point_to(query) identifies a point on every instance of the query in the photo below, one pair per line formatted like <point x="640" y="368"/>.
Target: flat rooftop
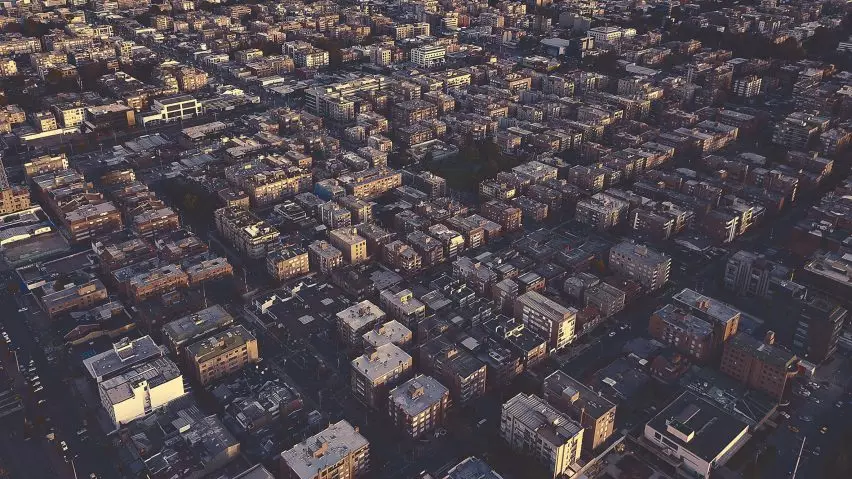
<point x="418" y="394"/>
<point x="383" y="360"/>
<point x="712" y="430"/>
<point x="321" y="451"/>
<point x="197" y="324"/>
<point x="123" y="355"/>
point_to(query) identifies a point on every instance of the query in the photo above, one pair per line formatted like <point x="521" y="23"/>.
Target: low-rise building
<point x="391" y="332"/>
<point x="462" y="372"/>
<point x="222" y="354"/>
<point x="324" y="257"/>
<point x="245" y="231"/>
<point x="287" y="263"/>
<point x="195" y="326"/>
<point x="353" y="246"/>
<point x="74" y="297"/>
<point x="403" y="306"/>
<point x="697" y="434"/>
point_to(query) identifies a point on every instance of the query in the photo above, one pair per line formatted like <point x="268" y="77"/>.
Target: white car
<point x="612" y="334"/>
<point x="24" y="309"/>
<point x="64" y="446"/>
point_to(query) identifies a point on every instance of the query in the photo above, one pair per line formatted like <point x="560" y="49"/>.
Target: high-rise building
<point x="547" y="318"/>
<point x="377" y="371"/>
<point x="818" y="328"/>
<point x="759" y="365"/>
<point x="338" y="451"/>
<point x="593" y="411"/>
<point x="419" y="405"/>
<point x="641" y="264"/>
<point x="533" y="427"/>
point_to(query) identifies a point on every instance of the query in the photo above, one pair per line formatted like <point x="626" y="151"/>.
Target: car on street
<point x="823" y="429"/>
<point x="612" y="334"/>
<point x="24" y="309"/>
<point x="793" y="428"/>
<point x="63" y="446"/>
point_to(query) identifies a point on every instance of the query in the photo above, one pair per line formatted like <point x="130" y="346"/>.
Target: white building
<point x="696" y="432"/>
<point x="338" y="451"/>
<point x="172" y="109"/>
<point x="141" y="390"/>
<point x="428" y="56"/>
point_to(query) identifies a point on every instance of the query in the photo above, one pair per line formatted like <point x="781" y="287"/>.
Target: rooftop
<point x="323" y="450"/>
<point x="539" y="416"/>
<point x="361" y="314"/>
<point x="197" y="324"/>
<point x="381" y="361"/>
<point x="768" y="353"/>
<point x="391" y="332"/>
<point x="123" y="355"/>
<point x="577" y="394"/>
<point x="708" y="429"/>
<point x="472" y="468"/>
<point x="156" y="372"/>
<point x="219" y="343"/>
<point x="418" y="394"/>
<point x="706" y="307"/>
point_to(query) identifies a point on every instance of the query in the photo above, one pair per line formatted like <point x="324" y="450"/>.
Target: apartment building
<point x="547" y="318"/>
<point x="356" y="320"/>
<point x="324" y="257"/>
<point x="819" y="328"/>
<point x="402" y="256"/>
<point x="595" y="413"/>
<point x="338" y="451"/>
<point x="74" y="297"/>
<point x="222" y="354"/>
<point x="140" y="390"/>
<point x="155" y="222"/>
<point x="193" y="327"/>
<point x="335" y="216"/>
<point x="724" y="318"/>
<point x="688" y="334"/>
<point x="391" y="332"/>
<point x="759" y="365"/>
<point x="507" y="216"/>
<point x="209" y="269"/>
<point x="452" y="241"/>
<point x="608" y="299"/>
<point x="462" y="372"/>
<point x="246" y="232"/>
<point x="641" y="264"/>
<point x="92" y="220"/>
<point x="534" y="428"/>
<point x="45" y="164"/>
<point x="353" y="246"/>
<point x="288" y="262"/>
<point x="428" y="56"/>
<point x="13" y="198"/>
<point x="601" y="211"/>
<point x="156" y="282"/>
<point x="360" y="211"/>
<point x="377" y="371"/>
<point x="749" y="274"/>
<point x="419" y="405"/>
<point x="402" y="306"/>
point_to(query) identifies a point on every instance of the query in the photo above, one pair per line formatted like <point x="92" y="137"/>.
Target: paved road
<point x="59" y="412"/>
